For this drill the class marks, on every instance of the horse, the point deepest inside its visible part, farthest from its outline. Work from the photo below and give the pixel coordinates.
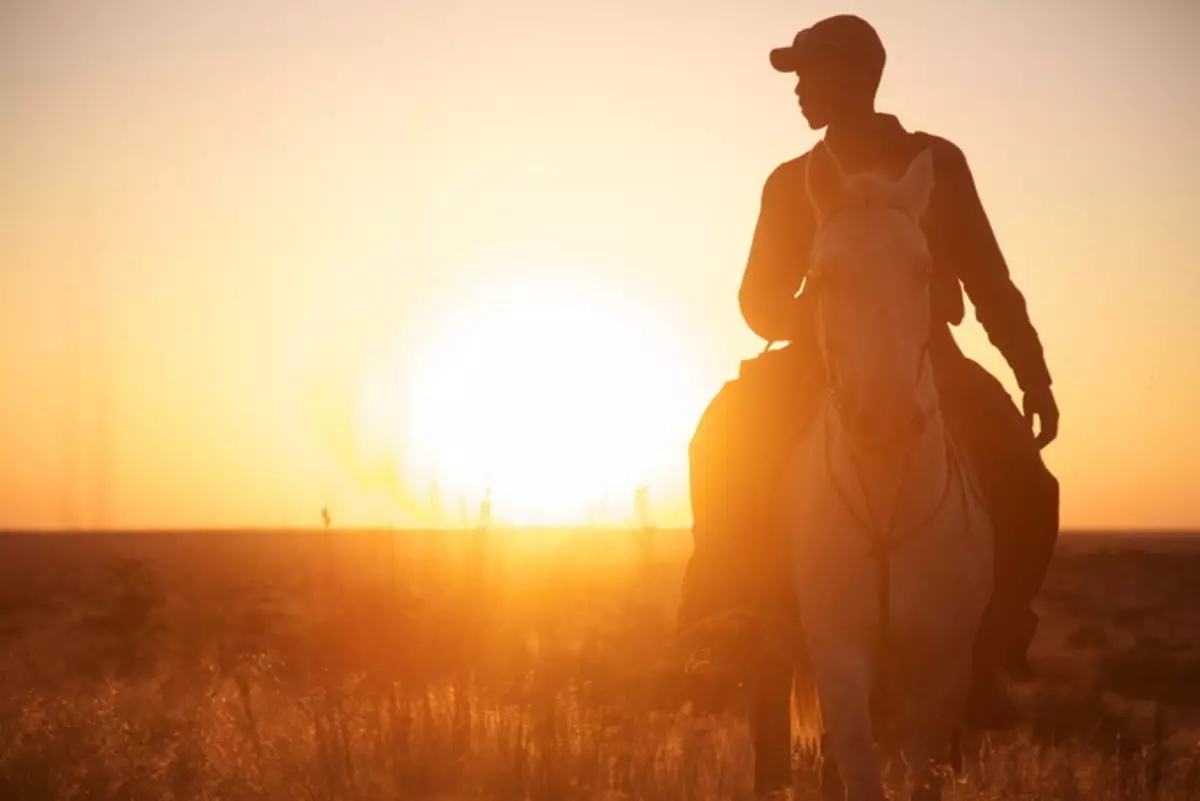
(891, 541)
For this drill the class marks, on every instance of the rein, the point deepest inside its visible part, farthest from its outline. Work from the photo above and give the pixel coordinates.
(883, 541)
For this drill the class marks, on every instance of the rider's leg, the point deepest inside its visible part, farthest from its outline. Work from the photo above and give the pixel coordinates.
(1022, 497)
(1022, 500)
(736, 451)
(713, 447)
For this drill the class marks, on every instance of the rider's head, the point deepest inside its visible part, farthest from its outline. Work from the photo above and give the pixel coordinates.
(838, 63)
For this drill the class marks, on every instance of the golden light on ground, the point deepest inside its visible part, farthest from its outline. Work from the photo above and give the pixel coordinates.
(557, 397)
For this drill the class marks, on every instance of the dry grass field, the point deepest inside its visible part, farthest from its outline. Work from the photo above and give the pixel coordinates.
(364, 666)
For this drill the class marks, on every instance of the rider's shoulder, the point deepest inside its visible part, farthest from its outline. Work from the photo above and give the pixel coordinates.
(787, 178)
(946, 154)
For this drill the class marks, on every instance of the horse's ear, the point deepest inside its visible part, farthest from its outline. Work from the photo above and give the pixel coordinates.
(824, 179)
(914, 189)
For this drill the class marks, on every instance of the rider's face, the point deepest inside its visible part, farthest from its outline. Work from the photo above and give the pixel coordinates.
(828, 91)
(816, 90)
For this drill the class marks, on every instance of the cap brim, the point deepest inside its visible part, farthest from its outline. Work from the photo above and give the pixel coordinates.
(785, 59)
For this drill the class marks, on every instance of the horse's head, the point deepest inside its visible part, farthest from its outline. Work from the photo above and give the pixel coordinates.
(871, 269)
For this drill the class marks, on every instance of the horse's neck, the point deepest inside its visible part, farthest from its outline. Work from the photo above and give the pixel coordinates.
(896, 490)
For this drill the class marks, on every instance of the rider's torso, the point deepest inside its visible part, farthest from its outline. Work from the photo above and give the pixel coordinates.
(888, 149)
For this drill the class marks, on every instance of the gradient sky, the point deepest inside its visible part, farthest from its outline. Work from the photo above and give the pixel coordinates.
(214, 216)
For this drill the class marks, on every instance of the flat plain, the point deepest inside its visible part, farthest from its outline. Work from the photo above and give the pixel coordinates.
(506, 664)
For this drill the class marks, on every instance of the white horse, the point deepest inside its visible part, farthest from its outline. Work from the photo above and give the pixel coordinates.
(892, 545)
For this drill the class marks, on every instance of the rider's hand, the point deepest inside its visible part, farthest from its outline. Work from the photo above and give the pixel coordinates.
(1040, 403)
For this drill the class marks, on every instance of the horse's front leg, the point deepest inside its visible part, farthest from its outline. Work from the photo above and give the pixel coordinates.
(844, 687)
(939, 700)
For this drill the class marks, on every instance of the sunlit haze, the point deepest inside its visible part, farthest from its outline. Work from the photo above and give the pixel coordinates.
(257, 259)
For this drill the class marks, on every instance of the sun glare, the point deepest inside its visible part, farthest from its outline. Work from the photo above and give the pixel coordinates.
(555, 398)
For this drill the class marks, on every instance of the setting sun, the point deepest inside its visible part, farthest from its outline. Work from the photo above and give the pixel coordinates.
(558, 397)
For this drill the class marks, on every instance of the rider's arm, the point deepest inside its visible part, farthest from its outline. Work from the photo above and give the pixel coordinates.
(778, 256)
(999, 305)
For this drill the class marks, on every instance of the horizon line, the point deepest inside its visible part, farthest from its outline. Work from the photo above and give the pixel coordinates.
(168, 530)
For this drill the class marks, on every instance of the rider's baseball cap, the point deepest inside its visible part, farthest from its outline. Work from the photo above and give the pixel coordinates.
(844, 39)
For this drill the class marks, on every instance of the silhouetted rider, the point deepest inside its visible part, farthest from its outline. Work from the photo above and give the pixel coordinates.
(838, 63)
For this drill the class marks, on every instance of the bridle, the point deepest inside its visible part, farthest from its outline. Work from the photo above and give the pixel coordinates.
(814, 283)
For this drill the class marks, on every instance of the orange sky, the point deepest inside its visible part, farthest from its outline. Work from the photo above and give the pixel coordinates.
(226, 228)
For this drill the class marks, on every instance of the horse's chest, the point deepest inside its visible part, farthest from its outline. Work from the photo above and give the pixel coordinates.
(851, 578)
